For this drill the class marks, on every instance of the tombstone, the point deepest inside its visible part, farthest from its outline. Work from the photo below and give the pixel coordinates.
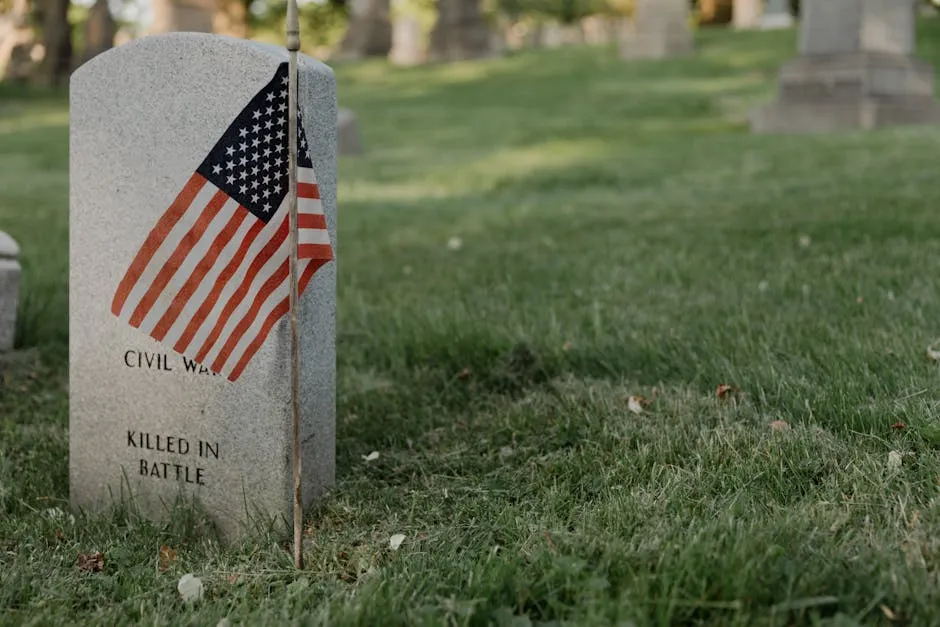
(598, 29)
(348, 141)
(776, 15)
(369, 33)
(9, 290)
(100, 30)
(183, 15)
(460, 32)
(156, 309)
(856, 69)
(747, 14)
(407, 41)
(659, 29)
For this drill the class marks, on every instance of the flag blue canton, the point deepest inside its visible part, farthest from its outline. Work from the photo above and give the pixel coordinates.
(250, 161)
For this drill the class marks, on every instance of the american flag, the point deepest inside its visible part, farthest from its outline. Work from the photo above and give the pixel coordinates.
(211, 279)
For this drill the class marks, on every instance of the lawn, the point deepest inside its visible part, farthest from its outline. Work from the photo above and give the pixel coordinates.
(527, 243)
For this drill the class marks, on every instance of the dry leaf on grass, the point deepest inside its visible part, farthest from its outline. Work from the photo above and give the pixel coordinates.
(725, 391)
(933, 354)
(464, 374)
(637, 404)
(779, 425)
(567, 346)
(91, 562)
(395, 541)
(455, 243)
(899, 426)
(371, 457)
(167, 557)
(888, 612)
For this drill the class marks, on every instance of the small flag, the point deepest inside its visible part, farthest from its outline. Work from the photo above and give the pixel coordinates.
(211, 279)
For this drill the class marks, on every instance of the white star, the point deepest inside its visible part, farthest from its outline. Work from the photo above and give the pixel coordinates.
(283, 106)
(254, 199)
(271, 96)
(257, 114)
(244, 175)
(255, 142)
(230, 150)
(266, 153)
(266, 192)
(284, 80)
(243, 132)
(230, 178)
(244, 161)
(243, 188)
(280, 135)
(269, 124)
(271, 110)
(257, 128)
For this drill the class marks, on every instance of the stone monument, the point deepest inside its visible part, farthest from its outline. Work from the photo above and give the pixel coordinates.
(856, 69)
(657, 30)
(407, 41)
(747, 14)
(370, 30)
(179, 349)
(183, 15)
(9, 290)
(776, 15)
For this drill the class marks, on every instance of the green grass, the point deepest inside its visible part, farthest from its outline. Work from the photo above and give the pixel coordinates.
(621, 231)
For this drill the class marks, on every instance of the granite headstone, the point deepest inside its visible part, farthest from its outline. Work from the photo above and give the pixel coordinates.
(9, 290)
(144, 421)
(776, 15)
(856, 69)
(658, 29)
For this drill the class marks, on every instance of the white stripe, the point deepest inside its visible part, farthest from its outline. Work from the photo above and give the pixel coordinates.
(306, 175)
(242, 310)
(186, 269)
(208, 282)
(166, 248)
(238, 276)
(276, 298)
(313, 236)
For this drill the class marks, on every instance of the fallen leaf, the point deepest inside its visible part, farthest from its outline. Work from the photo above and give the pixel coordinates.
(59, 535)
(894, 461)
(779, 425)
(566, 346)
(725, 391)
(454, 243)
(406, 269)
(395, 541)
(190, 588)
(899, 426)
(91, 562)
(636, 404)
(548, 538)
(933, 355)
(505, 452)
(888, 612)
(859, 300)
(167, 557)
(763, 286)
(464, 374)
(371, 457)
(805, 241)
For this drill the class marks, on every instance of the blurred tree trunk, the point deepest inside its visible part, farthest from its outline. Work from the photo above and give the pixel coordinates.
(100, 29)
(715, 11)
(460, 32)
(231, 18)
(15, 31)
(57, 42)
(370, 30)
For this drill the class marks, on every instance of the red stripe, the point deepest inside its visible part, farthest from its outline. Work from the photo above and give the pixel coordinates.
(308, 190)
(221, 281)
(202, 268)
(156, 236)
(266, 253)
(183, 248)
(278, 312)
(311, 221)
(323, 252)
(274, 281)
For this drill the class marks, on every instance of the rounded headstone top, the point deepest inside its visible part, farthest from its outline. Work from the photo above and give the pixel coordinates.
(8, 247)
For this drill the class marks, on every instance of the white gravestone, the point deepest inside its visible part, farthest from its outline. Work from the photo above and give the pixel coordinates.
(148, 417)
(9, 290)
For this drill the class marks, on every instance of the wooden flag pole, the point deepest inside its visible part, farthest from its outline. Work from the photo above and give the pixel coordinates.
(293, 45)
